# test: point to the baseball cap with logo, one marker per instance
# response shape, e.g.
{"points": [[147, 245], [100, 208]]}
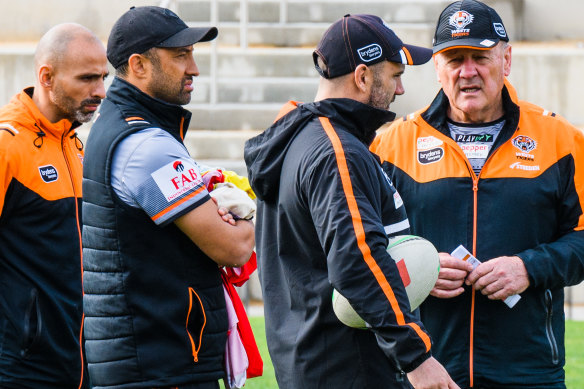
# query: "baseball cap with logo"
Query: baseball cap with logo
{"points": [[363, 39], [468, 23], [142, 28]]}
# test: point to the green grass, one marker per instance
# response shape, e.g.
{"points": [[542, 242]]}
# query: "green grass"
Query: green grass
{"points": [[574, 356]]}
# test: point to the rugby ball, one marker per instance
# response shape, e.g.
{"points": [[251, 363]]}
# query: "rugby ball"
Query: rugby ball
{"points": [[418, 264]]}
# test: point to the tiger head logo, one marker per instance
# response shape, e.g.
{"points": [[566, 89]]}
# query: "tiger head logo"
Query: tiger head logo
{"points": [[460, 19]]}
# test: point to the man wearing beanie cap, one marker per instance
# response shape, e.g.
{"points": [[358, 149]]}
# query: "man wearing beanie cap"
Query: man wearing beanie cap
{"points": [[483, 169], [155, 309], [325, 210]]}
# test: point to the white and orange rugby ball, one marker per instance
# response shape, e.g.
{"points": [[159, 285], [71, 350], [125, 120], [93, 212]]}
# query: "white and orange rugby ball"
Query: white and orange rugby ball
{"points": [[418, 264]]}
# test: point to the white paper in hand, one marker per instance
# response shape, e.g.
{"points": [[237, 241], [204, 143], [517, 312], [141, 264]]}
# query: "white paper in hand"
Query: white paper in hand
{"points": [[462, 253]]}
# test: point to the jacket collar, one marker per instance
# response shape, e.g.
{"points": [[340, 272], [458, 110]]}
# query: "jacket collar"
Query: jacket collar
{"points": [[36, 121], [361, 120], [133, 102], [435, 114]]}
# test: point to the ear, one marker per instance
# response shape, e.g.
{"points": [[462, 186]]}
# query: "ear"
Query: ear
{"points": [[45, 76], [362, 78], [507, 60], [435, 58], [139, 66]]}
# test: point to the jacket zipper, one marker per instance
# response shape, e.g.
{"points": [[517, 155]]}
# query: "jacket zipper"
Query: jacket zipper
{"points": [[194, 347], [548, 326], [71, 178]]}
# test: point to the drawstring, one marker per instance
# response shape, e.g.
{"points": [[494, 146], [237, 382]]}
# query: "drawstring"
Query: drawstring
{"points": [[40, 134], [38, 142], [78, 142]]}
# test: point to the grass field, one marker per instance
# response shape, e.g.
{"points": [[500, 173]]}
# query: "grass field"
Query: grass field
{"points": [[574, 356]]}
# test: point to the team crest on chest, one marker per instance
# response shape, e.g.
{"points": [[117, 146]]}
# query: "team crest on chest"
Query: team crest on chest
{"points": [[524, 143]]}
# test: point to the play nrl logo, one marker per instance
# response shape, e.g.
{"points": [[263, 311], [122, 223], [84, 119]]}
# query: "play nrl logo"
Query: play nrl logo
{"points": [[370, 52], [459, 20]]}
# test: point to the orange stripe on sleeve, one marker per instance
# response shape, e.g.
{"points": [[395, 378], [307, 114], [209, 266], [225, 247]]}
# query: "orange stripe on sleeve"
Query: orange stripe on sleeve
{"points": [[173, 206], [360, 231], [133, 118]]}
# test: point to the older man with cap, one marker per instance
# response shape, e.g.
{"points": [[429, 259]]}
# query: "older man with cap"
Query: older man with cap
{"points": [[153, 239], [502, 177], [325, 209]]}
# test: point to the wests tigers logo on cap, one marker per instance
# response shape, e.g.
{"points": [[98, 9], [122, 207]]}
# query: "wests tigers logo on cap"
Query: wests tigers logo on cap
{"points": [[460, 19]]}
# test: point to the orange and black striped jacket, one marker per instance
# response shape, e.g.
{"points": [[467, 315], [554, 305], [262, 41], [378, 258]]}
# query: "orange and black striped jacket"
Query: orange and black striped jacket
{"points": [[40, 249], [526, 201], [325, 208]]}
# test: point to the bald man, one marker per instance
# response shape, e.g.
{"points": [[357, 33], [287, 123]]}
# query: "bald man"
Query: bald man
{"points": [[40, 193]]}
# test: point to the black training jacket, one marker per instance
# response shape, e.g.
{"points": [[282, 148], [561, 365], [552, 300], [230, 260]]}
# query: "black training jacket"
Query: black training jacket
{"points": [[324, 209]]}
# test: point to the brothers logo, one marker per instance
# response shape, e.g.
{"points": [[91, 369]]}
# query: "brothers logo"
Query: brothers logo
{"points": [[48, 173], [370, 52], [430, 156]]}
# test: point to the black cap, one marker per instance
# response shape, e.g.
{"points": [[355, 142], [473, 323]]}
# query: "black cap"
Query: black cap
{"points": [[142, 28], [468, 23], [363, 39]]}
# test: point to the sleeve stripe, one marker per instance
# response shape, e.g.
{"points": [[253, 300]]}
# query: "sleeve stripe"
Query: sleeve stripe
{"points": [[360, 231], [174, 205], [396, 227]]}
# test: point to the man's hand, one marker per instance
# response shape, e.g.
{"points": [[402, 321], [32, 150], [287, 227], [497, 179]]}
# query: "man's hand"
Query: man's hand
{"points": [[431, 375], [500, 277], [452, 274], [224, 213]]}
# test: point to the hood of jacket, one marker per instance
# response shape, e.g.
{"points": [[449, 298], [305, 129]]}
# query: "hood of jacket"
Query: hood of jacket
{"points": [[264, 154], [23, 112]]}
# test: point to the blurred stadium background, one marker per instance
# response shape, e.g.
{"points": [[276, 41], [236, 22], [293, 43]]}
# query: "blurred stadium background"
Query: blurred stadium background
{"points": [[262, 58]]}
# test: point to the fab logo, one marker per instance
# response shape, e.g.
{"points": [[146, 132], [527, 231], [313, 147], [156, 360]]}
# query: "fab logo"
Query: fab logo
{"points": [[177, 178]]}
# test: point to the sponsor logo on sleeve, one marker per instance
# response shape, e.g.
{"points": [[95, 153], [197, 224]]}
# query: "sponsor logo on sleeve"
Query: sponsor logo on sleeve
{"points": [[177, 178], [48, 173], [426, 157], [397, 200], [370, 52]]}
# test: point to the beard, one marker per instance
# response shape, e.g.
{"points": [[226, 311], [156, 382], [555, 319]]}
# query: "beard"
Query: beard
{"points": [[70, 109], [164, 88], [379, 97]]}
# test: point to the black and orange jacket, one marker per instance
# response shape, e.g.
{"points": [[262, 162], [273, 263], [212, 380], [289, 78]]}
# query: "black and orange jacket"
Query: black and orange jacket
{"points": [[40, 249], [527, 201], [323, 202], [155, 312]]}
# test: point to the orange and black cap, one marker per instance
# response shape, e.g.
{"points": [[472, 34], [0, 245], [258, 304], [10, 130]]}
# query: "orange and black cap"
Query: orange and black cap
{"points": [[363, 39], [468, 23]]}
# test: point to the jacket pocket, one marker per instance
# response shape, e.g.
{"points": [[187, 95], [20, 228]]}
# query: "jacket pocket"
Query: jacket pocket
{"points": [[32, 324], [549, 327], [195, 303]]}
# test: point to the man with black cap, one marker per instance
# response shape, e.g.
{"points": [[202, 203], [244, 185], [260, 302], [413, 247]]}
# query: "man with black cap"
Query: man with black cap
{"points": [[500, 176], [155, 312], [325, 210]]}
